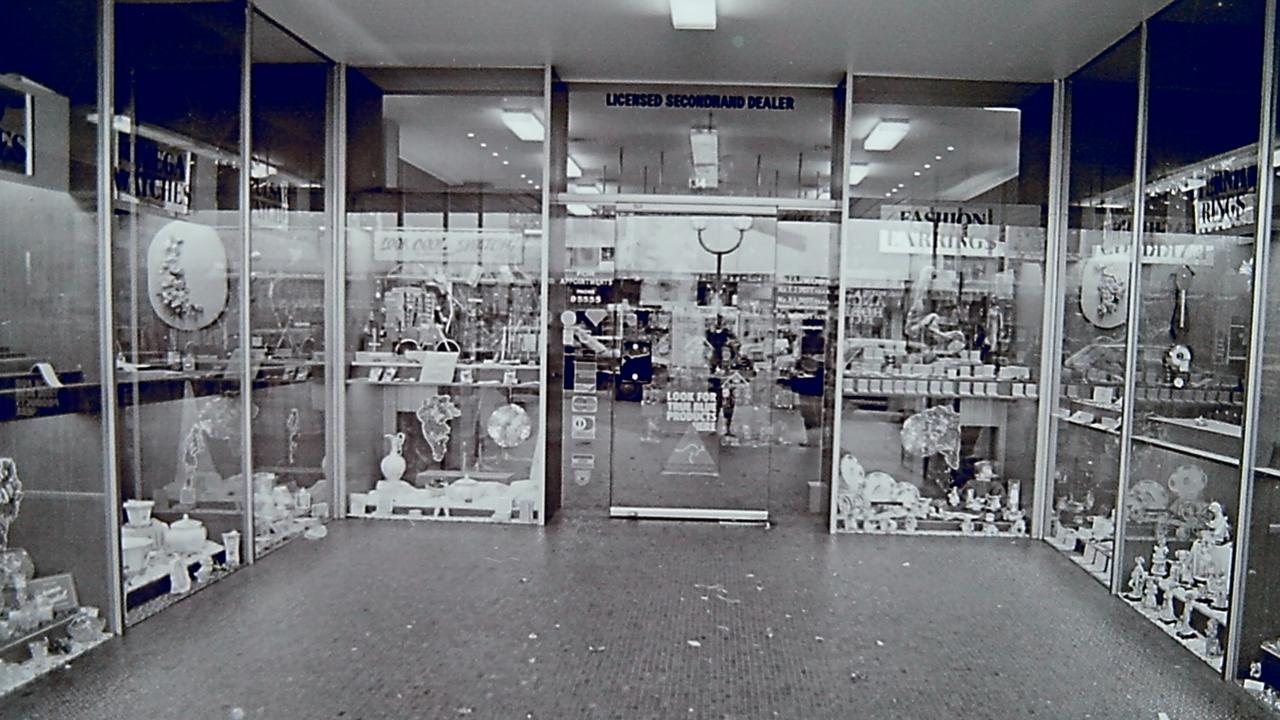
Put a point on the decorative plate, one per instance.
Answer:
(509, 426)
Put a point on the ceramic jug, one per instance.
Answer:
(393, 464)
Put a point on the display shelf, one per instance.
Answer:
(1115, 432)
(852, 392)
(15, 677)
(415, 383)
(157, 572)
(15, 649)
(1096, 405)
(1186, 450)
(1202, 424)
(493, 500)
(1193, 644)
(461, 365)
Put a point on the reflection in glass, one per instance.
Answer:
(177, 269)
(55, 568)
(290, 249)
(1083, 488)
(943, 289)
(1195, 283)
(444, 258)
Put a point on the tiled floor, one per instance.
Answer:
(598, 619)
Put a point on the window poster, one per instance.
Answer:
(15, 131)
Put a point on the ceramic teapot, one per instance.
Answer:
(186, 535)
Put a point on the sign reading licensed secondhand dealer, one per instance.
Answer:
(704, 101)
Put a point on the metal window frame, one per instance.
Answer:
(106, 313)
(837, 416)
(245, 324)
(1257, 332)
(1054, 308)
(1133, 308)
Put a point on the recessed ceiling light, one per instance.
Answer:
(886, 135)
(951, 148)
(888, 194)
(693, 14)
(927, 166)
(916, 173)
(495, 154)
(858, 172)
(937, 157)
(471, 135)
(537, 187)
(484, 144)
(506, 162)
(524, 124)
(530, 181)
(902, 185)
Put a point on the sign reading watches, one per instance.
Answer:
(704, 101)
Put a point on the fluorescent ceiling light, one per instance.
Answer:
(705, 145)
(524, 124)
(571, 168)
(1001, 108)
(578, 209)
(693, 14)
(886, 135)
(858, 172)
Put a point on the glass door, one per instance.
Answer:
(695, 335)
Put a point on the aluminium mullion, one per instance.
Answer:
(1253, 379)
(106, 311)
(335, 291)
(1052, 322)
(1134, 306)
(544, 274)
(837, 417)
(248, 544)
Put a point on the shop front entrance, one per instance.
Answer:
(696, 340)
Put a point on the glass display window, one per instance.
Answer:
(1193, 301)
(58, 591)
(942, 290)
(1257, 661)
(445, 298)
(1088, 408)
(290, 251)
(177, 275)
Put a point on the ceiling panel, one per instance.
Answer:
(761, 41)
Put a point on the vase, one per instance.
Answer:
(393, 464)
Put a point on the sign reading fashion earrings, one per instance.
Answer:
(187, 275)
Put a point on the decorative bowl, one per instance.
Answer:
(134, 551)
(139, 512)
(186, 535)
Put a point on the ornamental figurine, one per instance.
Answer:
(10, 498)
(1160, 559)
(1137, 579)
(1149, 595)
(1219, 528)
